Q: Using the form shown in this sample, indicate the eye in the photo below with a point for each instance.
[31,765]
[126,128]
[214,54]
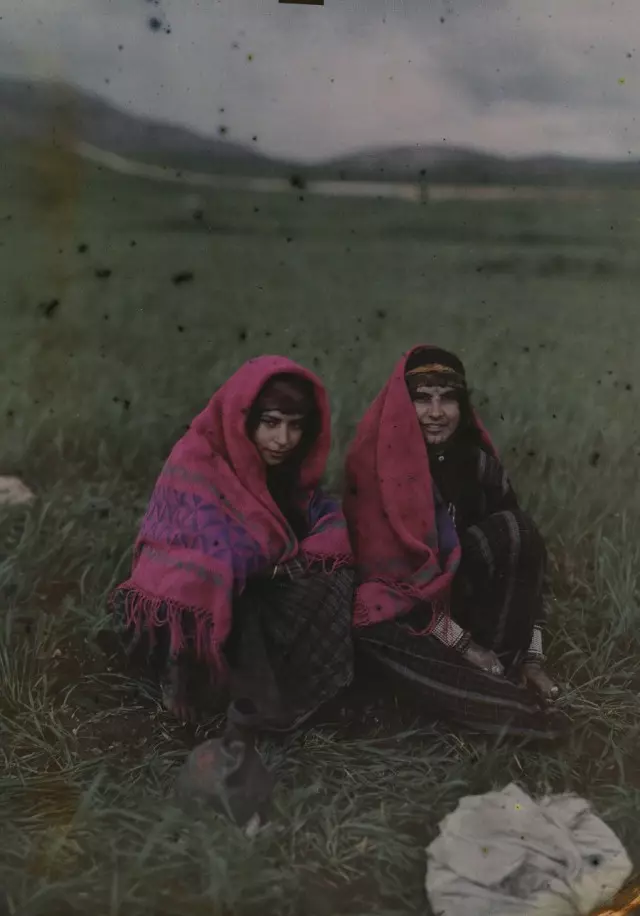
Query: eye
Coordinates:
[270,422]
[296,426]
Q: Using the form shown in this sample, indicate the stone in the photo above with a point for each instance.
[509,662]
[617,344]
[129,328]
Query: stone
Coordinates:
[13,492]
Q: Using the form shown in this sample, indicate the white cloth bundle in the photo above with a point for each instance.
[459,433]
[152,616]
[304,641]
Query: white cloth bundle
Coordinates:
[504,854]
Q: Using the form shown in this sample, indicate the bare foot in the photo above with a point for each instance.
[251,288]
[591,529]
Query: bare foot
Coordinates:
[534,676]
[175,694]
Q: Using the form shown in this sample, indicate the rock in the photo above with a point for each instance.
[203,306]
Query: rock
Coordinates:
[14,493]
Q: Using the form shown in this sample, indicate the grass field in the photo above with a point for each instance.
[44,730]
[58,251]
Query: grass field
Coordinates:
[120,314]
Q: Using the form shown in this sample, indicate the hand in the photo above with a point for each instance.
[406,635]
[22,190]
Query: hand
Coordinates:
[533,675]
[484,659]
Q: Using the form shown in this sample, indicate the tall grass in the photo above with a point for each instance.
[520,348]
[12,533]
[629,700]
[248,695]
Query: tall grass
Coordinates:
[540,300]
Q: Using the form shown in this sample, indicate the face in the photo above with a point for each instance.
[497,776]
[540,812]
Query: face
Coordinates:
[438,413]
[277,436]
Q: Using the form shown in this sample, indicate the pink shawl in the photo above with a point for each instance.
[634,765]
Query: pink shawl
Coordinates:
[406,549]
[211,522]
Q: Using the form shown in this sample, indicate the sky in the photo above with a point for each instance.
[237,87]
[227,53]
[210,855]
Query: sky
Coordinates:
[309,82]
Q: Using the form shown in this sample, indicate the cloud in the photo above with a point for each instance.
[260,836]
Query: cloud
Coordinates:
[511,75]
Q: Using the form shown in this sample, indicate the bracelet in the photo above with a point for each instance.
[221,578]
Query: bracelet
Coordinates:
[535,652]
[463,643]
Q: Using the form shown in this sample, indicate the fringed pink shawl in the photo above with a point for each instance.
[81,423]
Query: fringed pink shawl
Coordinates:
[211,522]
[405,545]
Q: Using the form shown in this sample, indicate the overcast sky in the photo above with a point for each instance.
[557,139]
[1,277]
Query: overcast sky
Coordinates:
[515,76]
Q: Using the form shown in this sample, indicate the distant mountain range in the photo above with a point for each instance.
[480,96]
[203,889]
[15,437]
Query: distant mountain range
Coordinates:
[40,110]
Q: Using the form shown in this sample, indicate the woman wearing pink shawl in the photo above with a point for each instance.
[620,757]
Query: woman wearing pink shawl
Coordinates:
[242,563]
[450,569]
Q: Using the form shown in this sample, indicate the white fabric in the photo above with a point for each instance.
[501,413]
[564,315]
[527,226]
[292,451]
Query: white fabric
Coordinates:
[503,854]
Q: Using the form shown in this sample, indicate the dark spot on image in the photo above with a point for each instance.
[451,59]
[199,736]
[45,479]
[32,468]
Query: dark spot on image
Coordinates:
[628,387]
[594,458]
[103,273]
[105,318]
[183,276]
[289,239]
[83,248]
[198,215]
[132,243]
[256,209]
[180,329]
[297,181]
[243,334]
[49,308]
[154,24]
[381,313]
[223,130]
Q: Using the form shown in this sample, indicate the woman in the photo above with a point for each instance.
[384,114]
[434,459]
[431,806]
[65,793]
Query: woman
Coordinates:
[242,562]
[450,568]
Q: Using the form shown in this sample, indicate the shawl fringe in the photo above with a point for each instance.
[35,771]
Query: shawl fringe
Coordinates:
[142,613]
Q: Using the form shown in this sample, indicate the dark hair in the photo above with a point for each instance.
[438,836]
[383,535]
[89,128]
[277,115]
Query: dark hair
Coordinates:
[434,355]
[291,395]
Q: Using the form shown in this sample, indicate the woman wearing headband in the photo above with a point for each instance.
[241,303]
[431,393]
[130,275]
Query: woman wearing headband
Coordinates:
[450,569]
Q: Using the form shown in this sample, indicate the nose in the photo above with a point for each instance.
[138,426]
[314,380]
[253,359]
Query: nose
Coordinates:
[435,408]
[282,435]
